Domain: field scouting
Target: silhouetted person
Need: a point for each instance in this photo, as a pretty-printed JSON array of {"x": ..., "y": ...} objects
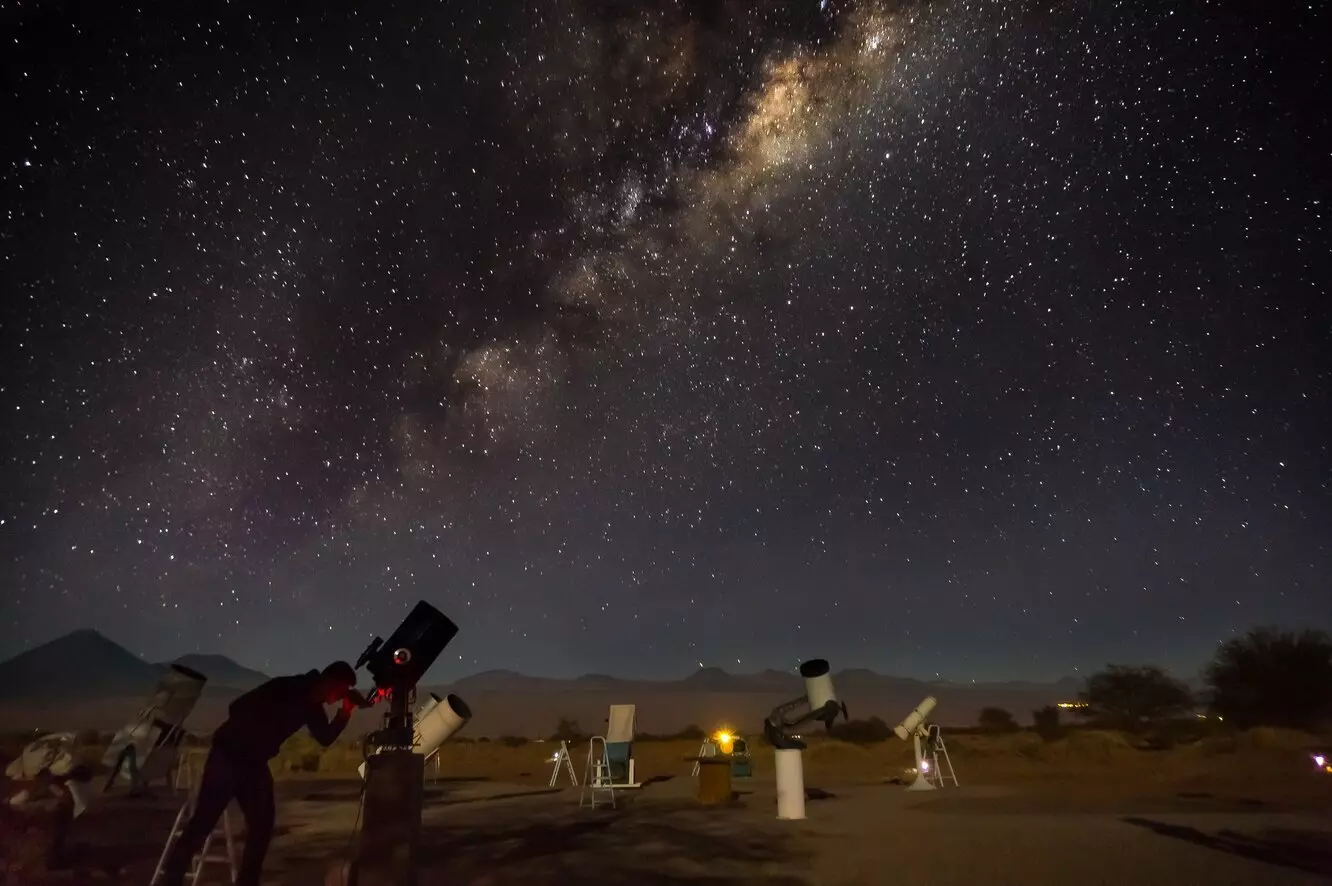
[{"x": 237, "y": 767}]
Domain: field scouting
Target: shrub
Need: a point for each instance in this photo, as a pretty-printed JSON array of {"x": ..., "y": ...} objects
[
  {"x": 997, "y": 720},
  {"x": 1269, "y": 738},
  {"x": 1183, "y": 731},
  {"x": 1129, "y": 698},
  {"x": 871, "y": 731},
  {"x": 512, "y": 741},
  {"x": 1047, "y": 723},
  {"x": 566, "y": 729},
  {"x": 1273, "y": 678}
]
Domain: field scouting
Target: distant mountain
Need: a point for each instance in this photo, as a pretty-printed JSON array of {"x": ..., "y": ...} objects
[
  {"x": 599, "y": 681},
  {"x": 62, "y": 684},
  {"x": 714, "y": 679},
  {"x": 81, "y": 664},
  {"x": 84, "y": 664},
  {"x": 220, "y": 670},
  {"x": 501, "y": 681}
]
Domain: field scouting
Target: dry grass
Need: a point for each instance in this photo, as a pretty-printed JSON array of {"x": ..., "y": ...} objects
[
  {"x": 1088, "y": 756},
  {"x": 1085, "y": 770}
]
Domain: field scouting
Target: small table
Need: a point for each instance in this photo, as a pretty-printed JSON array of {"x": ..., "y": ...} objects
[{"x": 714, "y": 779}]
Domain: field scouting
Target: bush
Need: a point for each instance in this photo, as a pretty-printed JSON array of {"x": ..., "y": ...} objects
[
  {"x": 1094, "y": 746},
  {"x": 871, "y": 731},
  {"x": 1268, "y": 738},
  {"x": 1171, "y": 733},
  {"x": 997, "y": 720},
  {"x": 512, "y": 741},
  {"x": 1047, "y": 723},
  {"x": 1130, "y": 698},
  {"x": 566, "y": 729},
  {"x": 1273, "y": 678}
]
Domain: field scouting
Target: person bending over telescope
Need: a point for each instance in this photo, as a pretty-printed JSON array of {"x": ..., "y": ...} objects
[{"x": 237, "y": 767}]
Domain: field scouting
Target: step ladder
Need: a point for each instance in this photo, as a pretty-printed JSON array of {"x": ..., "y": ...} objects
[
  {"x": 189, "y": 767},
  {"x": 939, "y": 760},
  {"x": 597, "y": 775},
  {"x": 707, "y": 749},
  {"x": 562, "y": 765},
  {"x": 207, "y": 855}
]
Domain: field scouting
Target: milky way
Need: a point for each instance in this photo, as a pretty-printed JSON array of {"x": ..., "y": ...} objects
[{"x": 973, "y": 339}]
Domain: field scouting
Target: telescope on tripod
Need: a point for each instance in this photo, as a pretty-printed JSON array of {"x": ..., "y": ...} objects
[{"x": 394, "y": 769}]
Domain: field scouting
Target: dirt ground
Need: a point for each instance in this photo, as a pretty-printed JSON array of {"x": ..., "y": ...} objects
[{"x": 1123, "y": 818}]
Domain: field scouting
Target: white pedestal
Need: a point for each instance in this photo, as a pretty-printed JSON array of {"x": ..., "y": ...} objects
[{"x": 790, "y": 785}]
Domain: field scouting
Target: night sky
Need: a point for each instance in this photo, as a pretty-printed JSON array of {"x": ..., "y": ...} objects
[{"x": 982, "y": 340}]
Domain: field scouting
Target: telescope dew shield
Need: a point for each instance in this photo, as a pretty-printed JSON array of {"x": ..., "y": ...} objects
[
  {"x": 424, "y": 634},
  {"x": 427, "y": 707},
  {"x": 444, "y": 718},
  {"x": 438, "y": 720},
  {"x": 908, "y": 727},
  {"x": 818, "y": 683}
]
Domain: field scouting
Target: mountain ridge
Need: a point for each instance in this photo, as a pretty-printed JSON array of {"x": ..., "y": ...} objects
[
  {"x": 85, "y": 680},
  {"x": 86, "y": 663}
]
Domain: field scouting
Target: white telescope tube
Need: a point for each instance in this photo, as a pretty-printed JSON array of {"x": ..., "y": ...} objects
[
  {"x": 172, "y": 701},
  {"x": 790, "y": 785},
  {"x": 818, "y": 683},
  {"x": 440, "y": 719},
  {"x": 426, "y": 708},
  {"x": 445, "y": 717},
  {"x": 907, "y": 727}
]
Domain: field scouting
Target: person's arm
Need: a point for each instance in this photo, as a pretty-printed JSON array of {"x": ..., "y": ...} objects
[{"x": 327, "y": 731}]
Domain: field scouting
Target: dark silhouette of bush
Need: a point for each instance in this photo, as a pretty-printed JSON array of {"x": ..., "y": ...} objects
[
  {"x": 1271, "y": 677},
  {"x": 1047, "y": 723},
  {"x": 567, "y": 729},
  {"x": 871, "y": 731},
  {"x": 1182, "y": 731},
  {"x": 993, "y": 719},
  {"x": 1130, "y": 698},
  {"x": 512, "y": 741}
]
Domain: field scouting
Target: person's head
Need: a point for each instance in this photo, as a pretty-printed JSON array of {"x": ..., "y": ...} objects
[{"x": 335, "y": 682}]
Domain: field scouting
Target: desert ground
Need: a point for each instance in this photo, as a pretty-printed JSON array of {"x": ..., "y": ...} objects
[{"x": 1089, "y": 808}]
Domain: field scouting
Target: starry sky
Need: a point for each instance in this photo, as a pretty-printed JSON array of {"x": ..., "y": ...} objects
[{"x": 974, "y": 340}]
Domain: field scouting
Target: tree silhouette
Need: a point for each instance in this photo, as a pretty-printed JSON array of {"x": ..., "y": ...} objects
[
  {"x": 1047, "y": 722},
  {"x": 1273, "y": 678},
  {"x": 566, "y": 729},
  {"x": 871, "y": 731},
  {"x": 1126, "y": 697},
  {"x": 997, "y": 720}
]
